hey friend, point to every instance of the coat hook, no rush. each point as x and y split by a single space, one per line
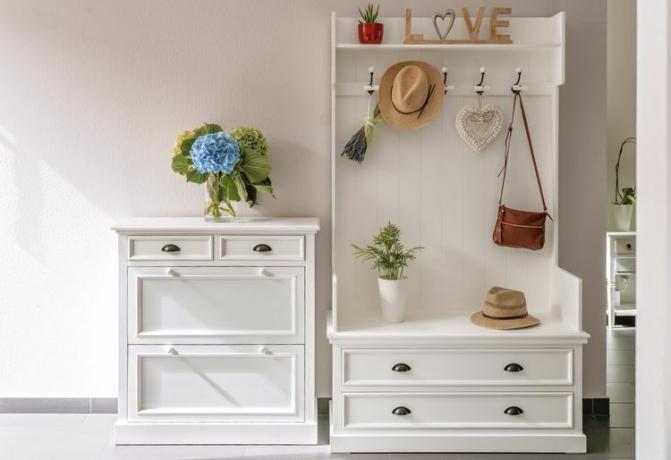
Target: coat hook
446 87
370 88
517 88
480 88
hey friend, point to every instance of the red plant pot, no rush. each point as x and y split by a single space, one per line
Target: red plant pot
370 33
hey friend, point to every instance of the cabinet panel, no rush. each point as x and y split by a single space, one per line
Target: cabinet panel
215 382
268 247
436 367
176 248
216 304
458 410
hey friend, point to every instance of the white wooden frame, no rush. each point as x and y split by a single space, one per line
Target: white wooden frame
365 196
257 431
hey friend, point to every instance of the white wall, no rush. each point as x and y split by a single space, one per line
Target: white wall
653 341
621 101
92 95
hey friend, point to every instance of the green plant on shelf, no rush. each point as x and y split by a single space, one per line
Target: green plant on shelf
387 252
369 14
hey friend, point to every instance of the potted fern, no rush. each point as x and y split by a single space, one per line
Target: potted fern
370 31
625 198
390 258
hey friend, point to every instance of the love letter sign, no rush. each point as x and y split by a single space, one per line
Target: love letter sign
473 28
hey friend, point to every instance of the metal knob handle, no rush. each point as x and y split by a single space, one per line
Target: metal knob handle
513 367
265 351
172 272
172 351
263 272
171 248
400 410
401 367
262 248
628 245
513 410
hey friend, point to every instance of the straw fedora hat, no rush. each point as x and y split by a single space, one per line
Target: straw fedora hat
410 94
504 309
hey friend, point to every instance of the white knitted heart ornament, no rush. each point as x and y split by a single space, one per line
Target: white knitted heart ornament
479 126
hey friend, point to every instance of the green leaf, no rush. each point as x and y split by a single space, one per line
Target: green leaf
240 186
265 186
208 128
230 189
193 175
181 164
256 167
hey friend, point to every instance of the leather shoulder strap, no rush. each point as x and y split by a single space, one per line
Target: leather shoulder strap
531 150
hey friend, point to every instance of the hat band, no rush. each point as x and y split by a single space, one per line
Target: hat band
499 305
419 110
506 318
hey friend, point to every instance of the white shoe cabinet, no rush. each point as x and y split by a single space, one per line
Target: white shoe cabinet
216 332
436 382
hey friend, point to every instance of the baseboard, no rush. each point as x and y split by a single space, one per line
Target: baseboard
596 407
58 405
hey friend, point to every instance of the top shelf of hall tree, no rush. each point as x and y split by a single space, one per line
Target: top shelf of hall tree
541 33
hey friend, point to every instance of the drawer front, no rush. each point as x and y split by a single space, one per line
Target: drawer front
170 247
625 246
443 367
458 410
248 247
216 304
215 382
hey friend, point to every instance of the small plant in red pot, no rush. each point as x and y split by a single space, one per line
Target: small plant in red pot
370 32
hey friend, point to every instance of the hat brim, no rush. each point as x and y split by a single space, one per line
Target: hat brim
504 324
410 121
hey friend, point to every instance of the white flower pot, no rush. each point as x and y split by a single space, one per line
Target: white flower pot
622 216
393 295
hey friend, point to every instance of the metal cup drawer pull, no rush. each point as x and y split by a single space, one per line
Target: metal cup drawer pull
400 410
401 367
171 248
262 247
513 367
513 410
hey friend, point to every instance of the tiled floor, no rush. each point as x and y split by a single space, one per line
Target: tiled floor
89 437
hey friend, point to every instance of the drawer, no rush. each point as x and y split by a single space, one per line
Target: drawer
249 247
170 247
625 246
215 382
458 410
443 367
215 304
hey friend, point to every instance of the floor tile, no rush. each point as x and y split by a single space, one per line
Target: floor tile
498 457
621 339
615 442
621 392
621 373
174 452
42 420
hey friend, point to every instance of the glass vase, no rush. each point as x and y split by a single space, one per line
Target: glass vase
216 207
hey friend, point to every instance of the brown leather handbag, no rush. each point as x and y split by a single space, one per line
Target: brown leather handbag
516 228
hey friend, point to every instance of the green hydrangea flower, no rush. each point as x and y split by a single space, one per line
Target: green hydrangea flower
250 140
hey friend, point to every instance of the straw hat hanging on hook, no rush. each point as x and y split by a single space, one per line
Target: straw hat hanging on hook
479 125
411 94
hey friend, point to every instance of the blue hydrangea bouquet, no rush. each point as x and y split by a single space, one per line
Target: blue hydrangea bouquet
234 165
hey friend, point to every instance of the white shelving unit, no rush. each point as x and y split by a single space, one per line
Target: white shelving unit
620 275
444 197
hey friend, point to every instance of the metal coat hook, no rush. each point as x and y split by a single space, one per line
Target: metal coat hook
370 87
446 87
480 87
517 88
